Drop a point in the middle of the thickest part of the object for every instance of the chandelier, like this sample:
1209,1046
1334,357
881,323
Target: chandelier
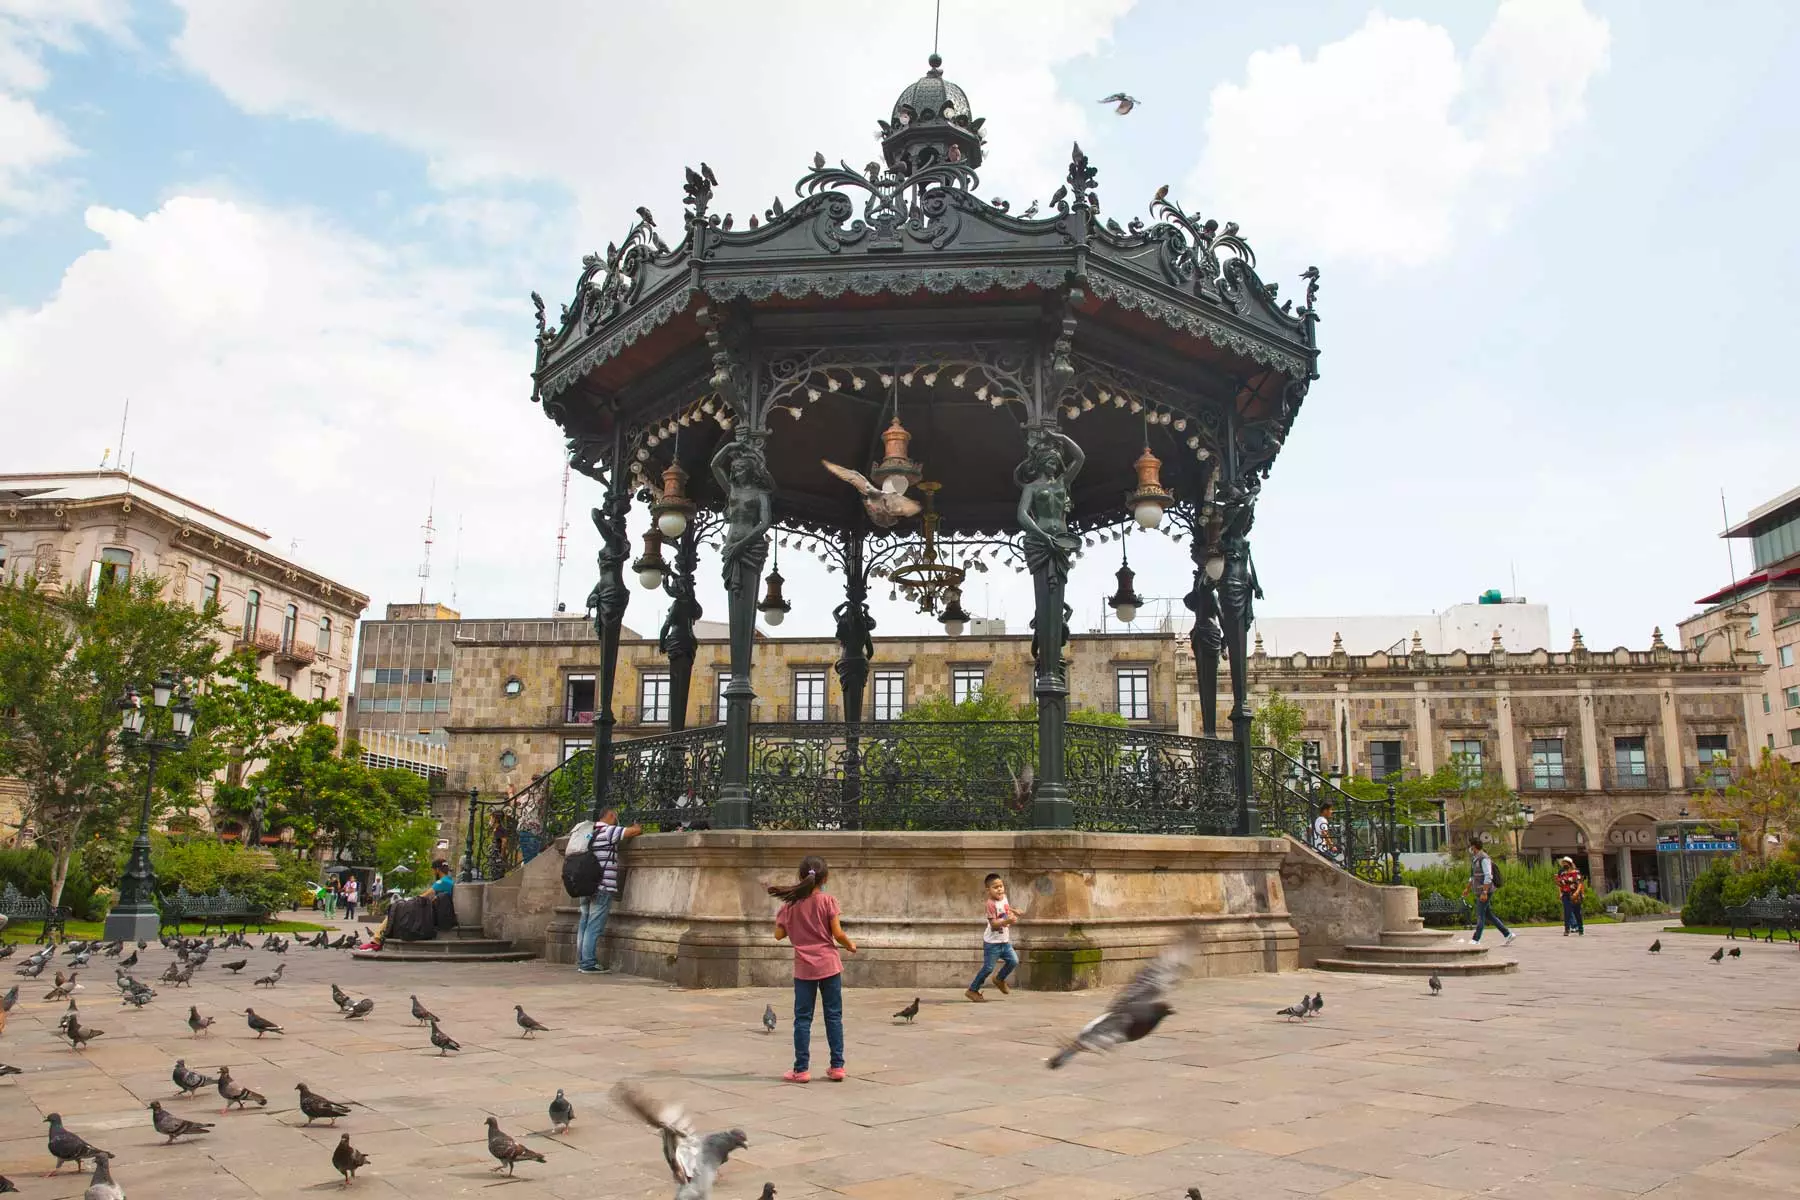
932,582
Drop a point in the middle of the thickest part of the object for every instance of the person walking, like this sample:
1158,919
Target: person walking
1573,886
604,840
350,894
1484,879
809,921
996,940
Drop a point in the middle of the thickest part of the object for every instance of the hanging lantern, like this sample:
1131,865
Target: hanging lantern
1151,497
649,565
895,472
674,509
1125,602
774,606
954,618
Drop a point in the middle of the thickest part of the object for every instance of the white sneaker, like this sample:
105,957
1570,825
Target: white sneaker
1509,940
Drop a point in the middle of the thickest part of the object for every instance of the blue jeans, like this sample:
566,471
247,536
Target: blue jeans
529,845
991,953
1484,916
594,910
805,992
1572,915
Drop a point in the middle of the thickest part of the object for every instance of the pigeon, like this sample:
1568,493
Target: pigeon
527,1022
31,968
887,505
1737,952
271,979
11,998
507,1150
64,987
318,1108
1194,1194
137,997
196,1022
130,960
113,950
909,1012
1295,1010
1318,1003
768,1018
236,1093
66,1146
188,1080
235,967
262,1025
101,1186
420,1013
1656,946
8,950
340,997
346,1158
7,1185
694,1160
1718,954
1435,984
561,1112
172,1126
360,1009
768,1192
443,1041
1122,104
6,1070
79,1035
1138,1008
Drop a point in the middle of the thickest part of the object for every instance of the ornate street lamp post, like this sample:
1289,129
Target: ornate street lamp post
134,918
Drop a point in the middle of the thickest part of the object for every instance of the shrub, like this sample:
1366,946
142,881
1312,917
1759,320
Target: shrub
1743,886
204,865
1705,904
1528,893
29,871
1632,904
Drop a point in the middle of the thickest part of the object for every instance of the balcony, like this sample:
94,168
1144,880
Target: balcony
1564,780
564,714
1642,779
808,712
294,651
1709,777
257,640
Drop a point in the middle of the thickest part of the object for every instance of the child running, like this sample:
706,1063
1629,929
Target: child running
809,919
996,940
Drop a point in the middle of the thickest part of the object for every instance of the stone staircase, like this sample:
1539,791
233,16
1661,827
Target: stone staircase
464,944
1418,951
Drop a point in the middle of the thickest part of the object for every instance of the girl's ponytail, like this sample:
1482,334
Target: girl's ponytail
812,875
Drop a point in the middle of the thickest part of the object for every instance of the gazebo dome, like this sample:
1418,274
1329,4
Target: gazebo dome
932,123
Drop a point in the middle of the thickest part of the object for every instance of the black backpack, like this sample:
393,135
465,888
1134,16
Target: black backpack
1493,873
582,873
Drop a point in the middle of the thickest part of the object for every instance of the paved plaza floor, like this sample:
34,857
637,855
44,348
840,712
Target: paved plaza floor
1595,1073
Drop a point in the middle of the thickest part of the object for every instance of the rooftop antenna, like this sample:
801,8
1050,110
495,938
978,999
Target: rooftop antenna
562,539
123,420
456,562
430,532
937,19
1730,556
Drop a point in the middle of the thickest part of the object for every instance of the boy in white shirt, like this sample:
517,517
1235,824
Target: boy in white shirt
996,940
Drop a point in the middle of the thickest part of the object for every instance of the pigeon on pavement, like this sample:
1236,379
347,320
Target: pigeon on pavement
101,1186
768,1018
443,1041
66,1146
7,1185
527,1022
1435,984
561,1112
1737,952
129,960
272,978
236,1093
340,997
262,1025
1656,946
235,967
1138,1008
196,1022
360,1009
1295,1010
768,1192
507,1150
172,1126
6,1070
1719,954
346,1158
1122,104
79,1035
420,1013
11,998
694,1160
318,1108
909,1012
189,1080
1318,1003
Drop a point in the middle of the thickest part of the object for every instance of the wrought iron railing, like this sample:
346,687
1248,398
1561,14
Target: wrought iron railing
1363,835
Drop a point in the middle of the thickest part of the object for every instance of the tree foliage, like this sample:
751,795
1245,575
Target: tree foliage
1278,722
1763,800
330,798
241,720
404,854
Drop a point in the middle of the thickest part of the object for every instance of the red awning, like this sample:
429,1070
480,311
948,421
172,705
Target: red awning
1749,581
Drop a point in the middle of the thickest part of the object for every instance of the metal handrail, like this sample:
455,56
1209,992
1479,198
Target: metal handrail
1290,796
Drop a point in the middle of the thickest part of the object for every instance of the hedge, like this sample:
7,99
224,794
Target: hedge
1720,886
1527,893
30,871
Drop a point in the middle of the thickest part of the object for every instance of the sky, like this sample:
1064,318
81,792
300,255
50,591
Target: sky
299,237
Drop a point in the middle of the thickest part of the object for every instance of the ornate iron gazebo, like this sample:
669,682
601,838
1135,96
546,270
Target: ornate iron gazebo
892,321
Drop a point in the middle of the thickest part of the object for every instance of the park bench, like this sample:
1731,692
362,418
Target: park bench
1771,912
220,909
1442,910
16,906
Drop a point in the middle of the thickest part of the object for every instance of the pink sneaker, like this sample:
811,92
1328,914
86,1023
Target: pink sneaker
836,1074
797,1077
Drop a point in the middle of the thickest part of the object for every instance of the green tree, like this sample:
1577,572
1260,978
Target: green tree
241,720
331,800
64,662
1278,722
1763,800
404,855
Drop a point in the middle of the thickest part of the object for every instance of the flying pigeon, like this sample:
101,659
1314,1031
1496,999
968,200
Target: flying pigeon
1138,1008
346,1158
101,1186
909,1012
360,1009
694,1160
443,1041
172,1126
66,1146
6,1069
196,1022
318,1108
420,1013
1718,954
527,1022
1737,952
188,1080
1295,1010
7,1185
236,1093
561,1112
507,1150
887,505
768,1018
1435,984
262,1025
1122,103
1656,946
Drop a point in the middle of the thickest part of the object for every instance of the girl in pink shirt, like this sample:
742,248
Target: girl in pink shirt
809,919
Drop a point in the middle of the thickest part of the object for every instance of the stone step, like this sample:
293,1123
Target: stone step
1437,953
427,956
1415,937
1421,968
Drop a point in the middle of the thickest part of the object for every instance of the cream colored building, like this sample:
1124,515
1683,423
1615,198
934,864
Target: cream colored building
1759,615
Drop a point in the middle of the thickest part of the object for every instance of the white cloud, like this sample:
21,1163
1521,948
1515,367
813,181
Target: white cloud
1379,146
32,142
612,100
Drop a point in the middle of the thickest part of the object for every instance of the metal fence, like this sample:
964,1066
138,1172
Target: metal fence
1364,836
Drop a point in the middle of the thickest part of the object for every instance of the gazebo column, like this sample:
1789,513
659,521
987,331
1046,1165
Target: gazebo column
1205,638
608,600
1052,460
743,475
855,648
677,641
1238,591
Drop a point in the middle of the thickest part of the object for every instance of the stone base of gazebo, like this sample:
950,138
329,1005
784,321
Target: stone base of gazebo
1093,907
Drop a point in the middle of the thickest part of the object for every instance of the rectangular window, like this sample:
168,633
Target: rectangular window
209,591
368,675
417,704
1468,756
966,683
287,681
1785,655
424,675
1766,704
390,675
1631,763
1547,764
890,695
111,569
1133,693
573,746
1793,737
809,695
290,626
2,564
653,698
1790,697
252,613
1384,759
578,699
324,641
318,691
719,703
1431,833
1755,625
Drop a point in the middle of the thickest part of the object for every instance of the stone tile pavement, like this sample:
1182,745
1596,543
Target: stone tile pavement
1596,1073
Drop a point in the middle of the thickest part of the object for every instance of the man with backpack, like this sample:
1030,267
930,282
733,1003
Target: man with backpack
591,874
1484,880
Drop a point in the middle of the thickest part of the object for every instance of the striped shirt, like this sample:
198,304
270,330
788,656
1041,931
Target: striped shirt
607,839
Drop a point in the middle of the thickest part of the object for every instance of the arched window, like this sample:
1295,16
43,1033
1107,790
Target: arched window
324,635
209,591
290,625
111,569
252,612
